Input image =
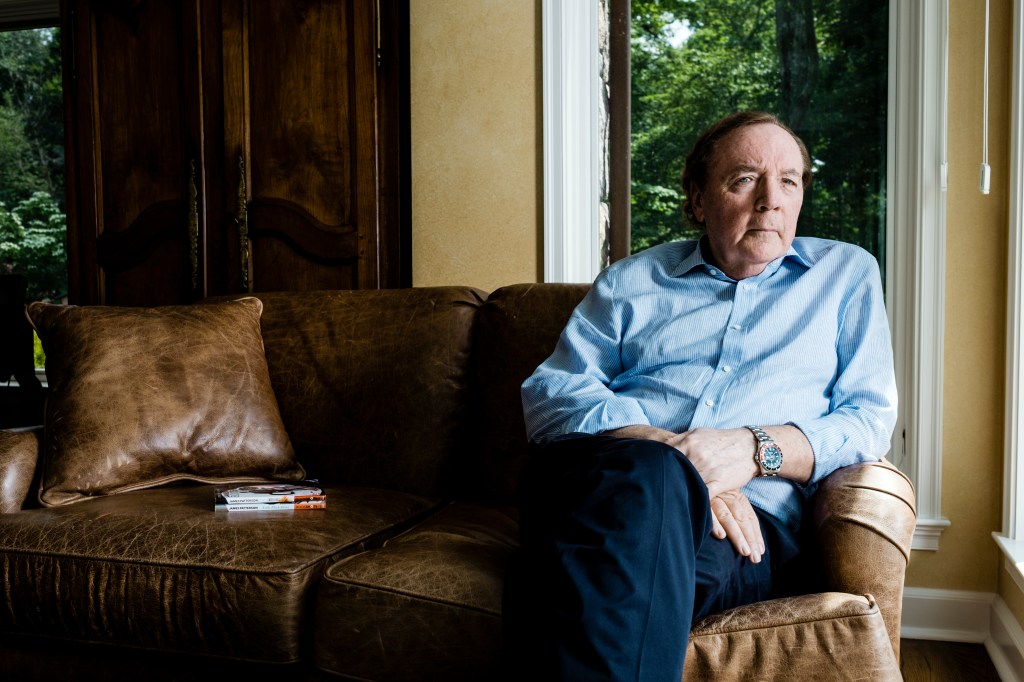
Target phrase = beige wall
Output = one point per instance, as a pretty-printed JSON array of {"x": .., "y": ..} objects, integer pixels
[
  {"x": 476, "y": 142},
  {"x": 974, "y": 380},
  {"x": 477, "y": 210}
]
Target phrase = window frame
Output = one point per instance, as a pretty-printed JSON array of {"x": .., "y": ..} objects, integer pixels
[
  {"x": 16, "y": 15},
  {"x": 1011, "y": 538},
  {"x": 915, "y": 218}
]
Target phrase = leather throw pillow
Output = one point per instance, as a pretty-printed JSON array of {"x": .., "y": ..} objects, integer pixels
[{"x": 139, "y": 397}]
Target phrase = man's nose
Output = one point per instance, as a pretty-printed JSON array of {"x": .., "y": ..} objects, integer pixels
[{"x": 768, "y": 195}]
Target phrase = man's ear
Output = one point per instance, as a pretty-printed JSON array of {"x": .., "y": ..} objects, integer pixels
[{"x": 697, "y": 202}]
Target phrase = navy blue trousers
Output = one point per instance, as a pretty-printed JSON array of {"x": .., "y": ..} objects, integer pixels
[{"x": 617, "y": 560}]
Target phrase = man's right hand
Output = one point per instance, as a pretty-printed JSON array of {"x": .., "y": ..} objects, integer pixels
[{"x": 734, "y": 518}]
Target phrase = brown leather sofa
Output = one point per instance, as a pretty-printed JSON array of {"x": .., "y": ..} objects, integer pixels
[{"x": 405, "y": 404}]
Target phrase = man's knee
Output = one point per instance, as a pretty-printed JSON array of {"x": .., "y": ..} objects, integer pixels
[
  {"x": 653, "y": 462},
  {"x": 578, "y": 468}
]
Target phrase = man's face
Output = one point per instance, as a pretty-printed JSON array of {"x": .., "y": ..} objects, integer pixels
[{"x": 752, "y": 197}]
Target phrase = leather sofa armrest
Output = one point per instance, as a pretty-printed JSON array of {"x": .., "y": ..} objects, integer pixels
[
  {"x": 19, "y": 454},
  {"x": 864, "y": 517}
]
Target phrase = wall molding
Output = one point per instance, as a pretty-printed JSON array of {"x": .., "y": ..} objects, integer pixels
[
  {"x": 946, "y": 615},
  {"x": 1005, "y": 644},
  {"x": 964, "y": 616}
]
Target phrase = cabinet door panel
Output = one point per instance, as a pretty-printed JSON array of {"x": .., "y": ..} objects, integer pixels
[
  {"x": 149, "y": 262},
  {"x": 133, "y": 94},
  {"x": 311, "y": 145},
  {"x": 225, "y": 146},
  {"x": 281, "y": 268}
]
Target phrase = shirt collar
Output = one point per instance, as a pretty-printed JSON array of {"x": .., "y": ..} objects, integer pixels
[{"x": 693, "y": 258}]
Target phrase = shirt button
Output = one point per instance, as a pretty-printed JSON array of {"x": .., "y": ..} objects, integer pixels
[
  {"x": 736, "y": 327},
  {"x": 709, "y": 402},
  {"x": 727, "y": 369},
  {"x": 713, "y": 271}
]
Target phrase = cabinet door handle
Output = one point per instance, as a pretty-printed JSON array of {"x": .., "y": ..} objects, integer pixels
[
  {"x": 242, "y": 220},
  {"x": 193, "y": 224}
]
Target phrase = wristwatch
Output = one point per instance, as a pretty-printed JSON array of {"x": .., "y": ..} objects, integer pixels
[{"x": 768, "y": 454}]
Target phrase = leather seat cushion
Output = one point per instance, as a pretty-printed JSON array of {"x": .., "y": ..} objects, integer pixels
[
  {"x": 844, "y": 633},
  {"x": 433, "y": 594},
  {"x": 160, "y": 569}
]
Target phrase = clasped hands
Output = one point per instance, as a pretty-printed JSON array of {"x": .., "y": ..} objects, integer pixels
[{"x": 724, "y": 458}]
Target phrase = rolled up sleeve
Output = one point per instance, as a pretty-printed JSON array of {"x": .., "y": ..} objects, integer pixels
[
  {"x": 862, "y": 414},
  {"x": 569, "y": 392}
]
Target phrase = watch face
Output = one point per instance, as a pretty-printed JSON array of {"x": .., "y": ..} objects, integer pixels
[{"x": 771, "y": 457}]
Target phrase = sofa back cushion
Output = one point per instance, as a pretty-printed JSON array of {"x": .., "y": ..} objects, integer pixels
[
  {"x": 373, "y": 384},
  {"x": 517, "y": 329}
]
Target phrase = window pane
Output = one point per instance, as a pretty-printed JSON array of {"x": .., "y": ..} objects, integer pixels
[
  {"x": 821, "y": 66},
  {"x": 33, "y": 231},
  {"x": 32, "y": 224}
]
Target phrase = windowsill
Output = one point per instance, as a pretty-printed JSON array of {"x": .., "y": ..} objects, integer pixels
[{"x": 1013, "y": 551}]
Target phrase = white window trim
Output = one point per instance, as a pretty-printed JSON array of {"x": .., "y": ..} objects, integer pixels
[
  {"x": 1011, "y": 539},
  {"x": 916, "y": 250},
  {"x": 571, "y": 140}
]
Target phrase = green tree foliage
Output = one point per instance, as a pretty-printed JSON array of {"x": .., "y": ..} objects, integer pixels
[
  {"x": 819, "y": 64},
  {"x": 32, "y": 224},
  {"x": 32, "y": 238}
]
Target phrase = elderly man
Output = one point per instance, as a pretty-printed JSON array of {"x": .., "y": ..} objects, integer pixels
[{"x": 696, "y": 396}]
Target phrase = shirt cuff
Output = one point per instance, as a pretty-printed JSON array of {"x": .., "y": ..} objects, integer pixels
[{"x": 832, "y": 447}]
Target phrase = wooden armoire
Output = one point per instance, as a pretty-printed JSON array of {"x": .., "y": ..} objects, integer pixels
[{"x": 230, "y": 146}]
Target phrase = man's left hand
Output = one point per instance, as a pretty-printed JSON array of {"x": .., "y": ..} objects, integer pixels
[{"x": 723, "y": 457}]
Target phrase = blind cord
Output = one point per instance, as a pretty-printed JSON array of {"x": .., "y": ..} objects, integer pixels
[{"x": 985, "y": 182}]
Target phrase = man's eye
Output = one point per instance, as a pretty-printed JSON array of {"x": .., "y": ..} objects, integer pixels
[{"x": 744, "y": 181}]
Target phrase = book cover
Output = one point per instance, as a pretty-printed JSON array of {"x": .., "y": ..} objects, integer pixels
[
  {"x": 303, "y": 495},
  {"x": 306, "y": 502},
  {"x": 267, "y": 492}
]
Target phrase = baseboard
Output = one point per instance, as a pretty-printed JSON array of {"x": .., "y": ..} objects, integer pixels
[
  {"x": 1005, "y": 644},
  {"x": 962, "y": 616},
  {"x": 946, "y": 615}
]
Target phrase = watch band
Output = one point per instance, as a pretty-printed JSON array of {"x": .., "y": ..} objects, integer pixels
[{"x": 767, "y": 454}]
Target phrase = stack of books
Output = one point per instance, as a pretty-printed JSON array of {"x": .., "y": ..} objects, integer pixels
[{"x": 270, "y": 496}]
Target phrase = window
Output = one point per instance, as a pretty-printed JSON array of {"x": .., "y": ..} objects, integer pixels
[
  {"x": 914, "y": 242},
  {"x": 33, "y": 262},
  {"x": 821, "y": 66},
  {"x": 32, "y": 226}
]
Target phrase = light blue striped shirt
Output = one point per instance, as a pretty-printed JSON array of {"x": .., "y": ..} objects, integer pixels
[{"x": 665, "y": 339}]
